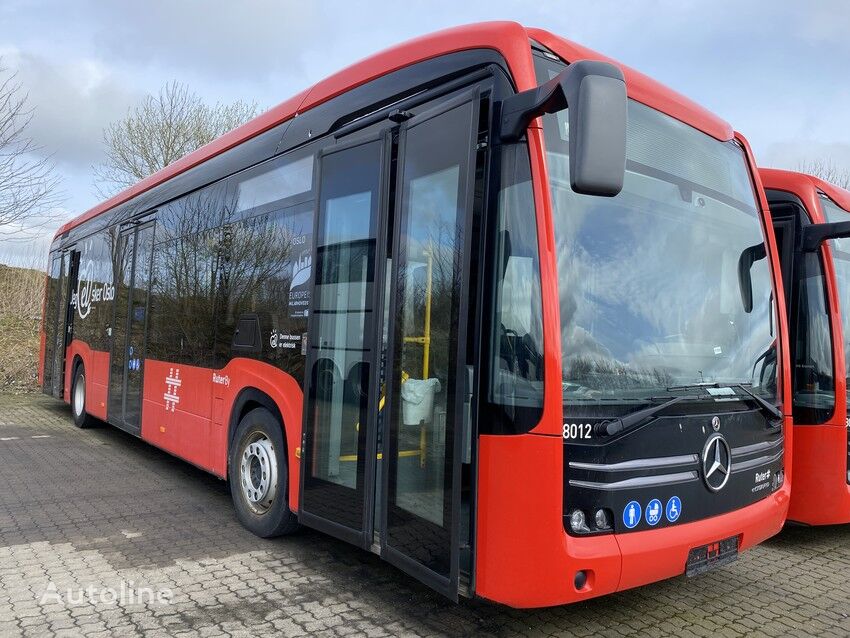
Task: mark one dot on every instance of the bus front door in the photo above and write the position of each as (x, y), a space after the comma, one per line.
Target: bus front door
(339, 445)
(129, 321)
(428, 381)
(386, 392)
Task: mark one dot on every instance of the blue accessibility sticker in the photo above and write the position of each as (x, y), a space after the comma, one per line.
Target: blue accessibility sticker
(631, 515)
(653, 512)
(673, 509)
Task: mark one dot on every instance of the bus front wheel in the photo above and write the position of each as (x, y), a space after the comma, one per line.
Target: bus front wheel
(258, 476)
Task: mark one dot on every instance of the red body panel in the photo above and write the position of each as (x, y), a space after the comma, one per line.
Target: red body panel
(42, 342)
(821, 495)
(96, 365)
(197, 427)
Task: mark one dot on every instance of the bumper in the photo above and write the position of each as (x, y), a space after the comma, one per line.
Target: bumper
(658, 554)
(525, 558)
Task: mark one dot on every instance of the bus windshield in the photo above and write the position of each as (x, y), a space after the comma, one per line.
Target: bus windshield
(650, 297)
(840, 249)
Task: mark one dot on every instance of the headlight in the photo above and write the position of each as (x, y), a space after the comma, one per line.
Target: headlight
(578, 523)
(602, 519)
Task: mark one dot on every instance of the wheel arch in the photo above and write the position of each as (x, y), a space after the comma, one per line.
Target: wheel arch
(76, 362)
(247, 399)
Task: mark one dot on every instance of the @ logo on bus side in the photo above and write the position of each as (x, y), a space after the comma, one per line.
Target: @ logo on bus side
(716, 462)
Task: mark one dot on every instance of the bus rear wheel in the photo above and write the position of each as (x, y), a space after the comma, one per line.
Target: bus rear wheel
(258, 476)
(78, 399)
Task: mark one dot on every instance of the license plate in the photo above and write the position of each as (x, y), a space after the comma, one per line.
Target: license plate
(706, 557)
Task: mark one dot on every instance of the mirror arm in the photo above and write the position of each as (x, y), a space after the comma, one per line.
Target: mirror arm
(550, 97)
(814, 235)
(518, 110)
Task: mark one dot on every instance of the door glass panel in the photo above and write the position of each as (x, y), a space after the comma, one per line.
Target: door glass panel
(59, 339)
(123, 274)
(341, 338)
(428, 296)
(138, 296)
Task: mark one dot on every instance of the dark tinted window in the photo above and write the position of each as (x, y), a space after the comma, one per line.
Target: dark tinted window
(265, 273)
(814, 385)
(515, 389)
(840, 249)
(194, 213)
(94, 292)
(182, 298)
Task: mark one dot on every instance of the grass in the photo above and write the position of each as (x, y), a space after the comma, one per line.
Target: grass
(21, 293)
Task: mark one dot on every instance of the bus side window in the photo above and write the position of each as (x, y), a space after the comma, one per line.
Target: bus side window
(814, 378)
(515, 388)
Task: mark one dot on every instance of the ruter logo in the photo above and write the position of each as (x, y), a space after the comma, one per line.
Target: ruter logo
(172, 384)
(716, 462)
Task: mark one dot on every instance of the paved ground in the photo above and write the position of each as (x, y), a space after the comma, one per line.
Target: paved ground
(92, 509)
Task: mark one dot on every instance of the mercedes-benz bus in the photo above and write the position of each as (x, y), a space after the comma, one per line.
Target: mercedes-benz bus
(473, 304)
(811, 218)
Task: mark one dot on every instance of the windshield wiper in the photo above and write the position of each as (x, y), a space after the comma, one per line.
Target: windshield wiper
(764, 404)
(615, 426)
(694, 386)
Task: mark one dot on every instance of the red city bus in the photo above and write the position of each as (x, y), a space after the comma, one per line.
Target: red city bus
(428, 309)
(807, 211)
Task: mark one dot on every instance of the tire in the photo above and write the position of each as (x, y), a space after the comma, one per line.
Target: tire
(78, 399)
(258, 476)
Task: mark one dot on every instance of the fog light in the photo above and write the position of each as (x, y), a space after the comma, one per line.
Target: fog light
(602, 519)
(580, 579)
(577, 522)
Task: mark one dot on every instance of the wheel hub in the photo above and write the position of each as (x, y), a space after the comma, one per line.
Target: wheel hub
(258, 473)
(79, 396)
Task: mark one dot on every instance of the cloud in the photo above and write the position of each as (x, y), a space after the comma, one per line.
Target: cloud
(72, 101)
(225, 40)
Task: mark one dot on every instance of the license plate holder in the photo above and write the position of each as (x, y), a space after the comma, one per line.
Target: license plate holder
(706, 557)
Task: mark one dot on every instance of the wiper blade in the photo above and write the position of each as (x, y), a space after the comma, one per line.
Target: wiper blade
(694, 386)
(615, 426)
(766, 405)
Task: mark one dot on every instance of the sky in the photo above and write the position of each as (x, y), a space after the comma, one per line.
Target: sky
(776, 70)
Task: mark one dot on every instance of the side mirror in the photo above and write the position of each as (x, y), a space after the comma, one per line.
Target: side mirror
(748, 257)
(595, 93)
(815, 234)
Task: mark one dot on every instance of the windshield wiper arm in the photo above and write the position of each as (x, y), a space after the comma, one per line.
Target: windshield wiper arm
(615, 426)
(766, 405)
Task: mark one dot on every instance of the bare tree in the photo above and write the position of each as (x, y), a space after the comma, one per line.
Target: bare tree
(27, 182)
(161, 130)
(827, 170)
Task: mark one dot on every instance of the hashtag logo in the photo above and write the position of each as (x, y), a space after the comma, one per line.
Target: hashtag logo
(172, 383)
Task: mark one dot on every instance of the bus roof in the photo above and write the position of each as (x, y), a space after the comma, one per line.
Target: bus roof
(804, 184)
(510, 39)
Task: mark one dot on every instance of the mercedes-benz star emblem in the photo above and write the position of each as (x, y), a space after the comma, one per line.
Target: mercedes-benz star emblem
(716, 462)
(715, 423)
